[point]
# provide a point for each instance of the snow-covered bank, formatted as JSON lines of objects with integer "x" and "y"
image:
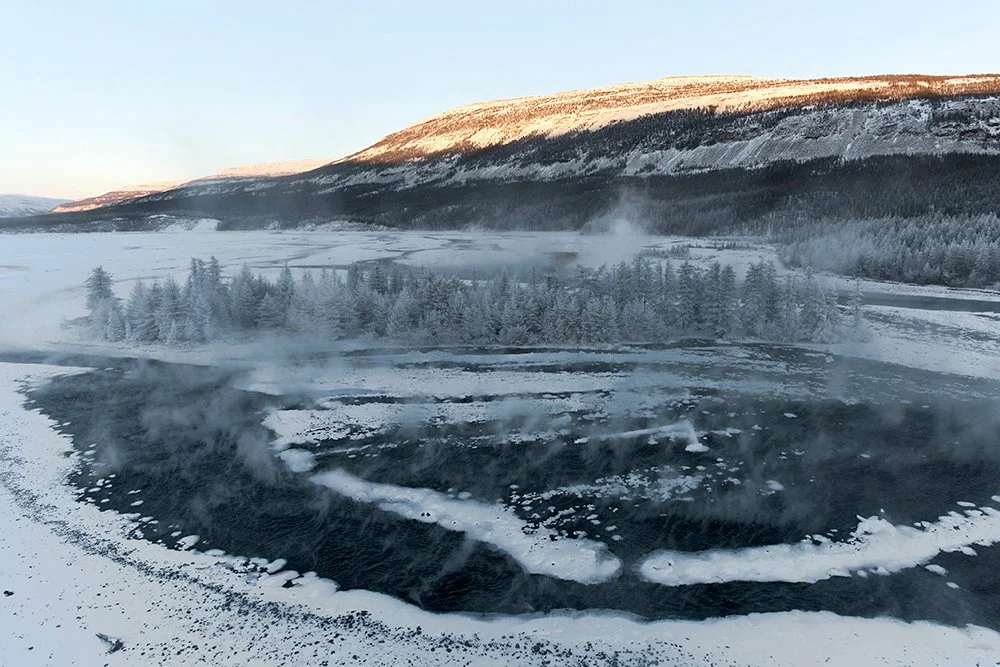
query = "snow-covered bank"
{"x": 538, "y": 551}
{"x": 73, "y": 573}
{"x": 946, "y": 341}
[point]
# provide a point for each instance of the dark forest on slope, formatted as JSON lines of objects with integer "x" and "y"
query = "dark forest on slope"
{"x": 780, "y": 196}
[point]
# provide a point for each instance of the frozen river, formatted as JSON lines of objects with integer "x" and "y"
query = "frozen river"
{"x": 688, "y": 504}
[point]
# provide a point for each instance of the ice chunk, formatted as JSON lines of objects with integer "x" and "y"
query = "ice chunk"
{"x": 188, "y": 542}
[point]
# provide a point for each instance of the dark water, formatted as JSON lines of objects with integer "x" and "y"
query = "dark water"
{"x": 188, "y": 446}
{"x": 923, "y": 301}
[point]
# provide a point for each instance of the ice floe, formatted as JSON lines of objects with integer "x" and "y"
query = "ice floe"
{"x": 539, "y": 551}
{"x": 875, "y": 545}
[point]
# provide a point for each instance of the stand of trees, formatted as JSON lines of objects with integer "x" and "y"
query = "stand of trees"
{"x": 642, "y": 301}
{"x": 942, "y": 250}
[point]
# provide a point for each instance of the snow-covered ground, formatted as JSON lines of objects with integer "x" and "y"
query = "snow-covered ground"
{"x": 953, "y": 342}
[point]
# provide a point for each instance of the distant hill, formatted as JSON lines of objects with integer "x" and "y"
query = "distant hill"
{"x": 116, "y": 196}
{"x": 683, "y": 154}
{"x": 247, "y": 171}
{"x": 16, "y": 206}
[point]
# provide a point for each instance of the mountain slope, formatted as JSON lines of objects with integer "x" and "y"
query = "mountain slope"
{"x": 488, "y": 124}
{"x": 16, "y": 206}
{"x": 693, "y": 153}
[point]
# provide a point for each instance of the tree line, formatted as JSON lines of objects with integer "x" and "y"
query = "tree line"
{"x": 641, "y": 301}
{"x": 959, "y": 251}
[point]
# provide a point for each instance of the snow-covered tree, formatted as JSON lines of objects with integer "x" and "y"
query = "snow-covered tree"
{"x": 99, "y": 289}
{"x": 638, "y": 301}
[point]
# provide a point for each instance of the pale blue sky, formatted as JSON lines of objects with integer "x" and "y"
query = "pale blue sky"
{"x": 100, "y": 94}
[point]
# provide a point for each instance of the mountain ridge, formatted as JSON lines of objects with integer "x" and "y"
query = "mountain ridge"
{"x": 559, "y": 160}
{"x": 592, "y": 108}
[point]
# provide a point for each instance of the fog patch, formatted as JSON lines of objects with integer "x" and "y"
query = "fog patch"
{"x": 624, "y": 233}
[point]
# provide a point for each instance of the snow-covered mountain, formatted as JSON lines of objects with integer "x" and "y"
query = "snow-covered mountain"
{"x": 16, "y": 206}
{"x": 717, "y": 150}
{"x": 247, "y": 171}
{"x": 486, "y": 124}
{"x": 265, "y": 169}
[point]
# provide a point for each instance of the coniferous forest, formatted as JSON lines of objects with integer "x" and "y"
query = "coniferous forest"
{"x": 642, "y": 301}
{"x": 958, "y": 251}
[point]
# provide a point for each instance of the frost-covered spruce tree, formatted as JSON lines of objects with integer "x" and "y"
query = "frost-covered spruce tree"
{"x": 689, "y": 298}
{"x": 245, "y": 295}
{"x": 150, "y": 321}
{"x": 303, "y": 311}
{"x": 753, "y": 302}
{"x": 218, "y": 295}
{"x": 115, "y": 328}
{"x": 270, "y": 313}
{"x": 403, "y": 316}
{"x": 812, "y": 313}
{"x": 727, "y": 322}
{"x": 787, "y": 325}
{"x": 170, "y": 312}
{"x": 98, "y": 286}
{"x": 107, "y": 320}
{"x": 857, "y": 321}
{"x": 135, "y": 311}
{"x": 638, "y": 301}
{"x": 199, "y": 326}
{"x": 284, "y": 289}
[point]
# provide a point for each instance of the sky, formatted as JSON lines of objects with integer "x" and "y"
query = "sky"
{"x": 100, "y": 94}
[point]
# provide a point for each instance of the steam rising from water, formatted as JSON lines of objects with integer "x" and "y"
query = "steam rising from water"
{"x": 494, "y": 501}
